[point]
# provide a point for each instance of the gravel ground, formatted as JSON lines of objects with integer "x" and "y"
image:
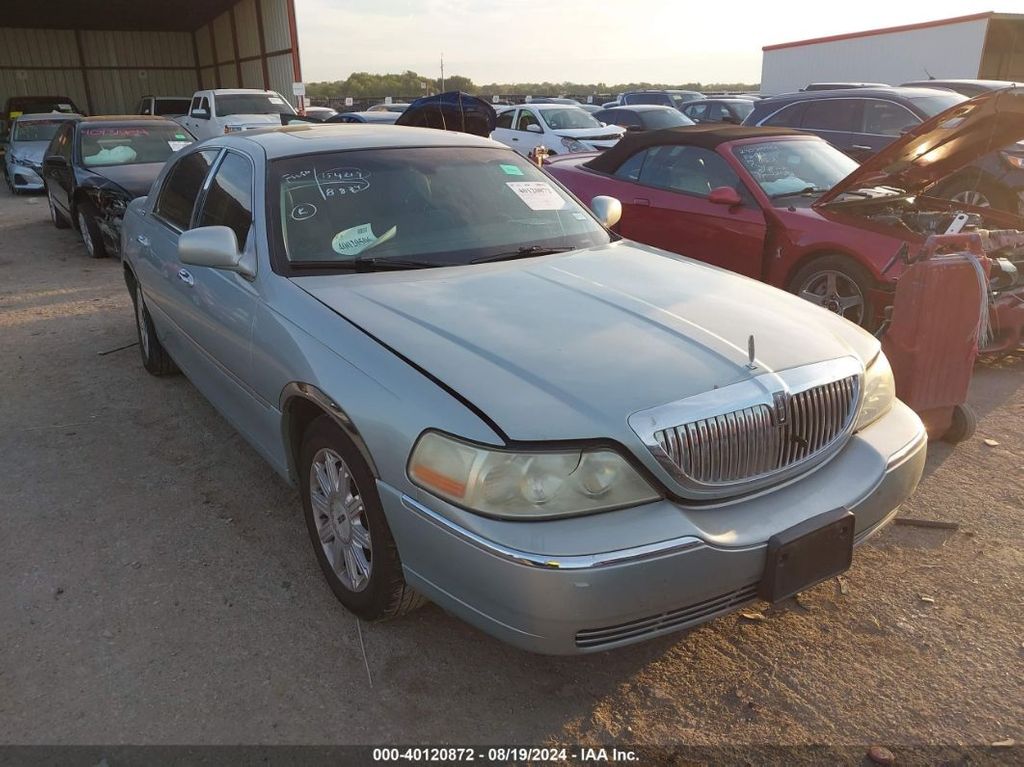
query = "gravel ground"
{"x": 158, "y": 585}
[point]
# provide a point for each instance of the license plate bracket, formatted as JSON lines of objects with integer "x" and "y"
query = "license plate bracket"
{"x": 808, "y": 553}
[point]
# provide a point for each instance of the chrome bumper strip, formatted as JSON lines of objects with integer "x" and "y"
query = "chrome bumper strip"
{"x": 553, "y": 562}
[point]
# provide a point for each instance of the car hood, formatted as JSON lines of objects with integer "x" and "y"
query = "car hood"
{"x": 30, "y": 151}
{"x": 568, "y": 346}
{"x": 942, "y": 145}
{"x": 133, "y": 179}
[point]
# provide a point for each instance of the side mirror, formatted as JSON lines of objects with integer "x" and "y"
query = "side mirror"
{"x": 730, "y": 119}
{"x": 607, "y": 209}
{"x": 56, "y": 161}
{"x": 201, "y": 114}
{"x": 534, "y": 128}
{"x": 725, "y": 195}
{"x": 212, "y": 246}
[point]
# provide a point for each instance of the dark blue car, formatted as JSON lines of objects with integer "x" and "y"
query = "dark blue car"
{"x": 863, "y": 121}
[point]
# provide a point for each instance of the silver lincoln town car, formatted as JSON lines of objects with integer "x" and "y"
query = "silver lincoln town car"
{"x": 489, "y": 400}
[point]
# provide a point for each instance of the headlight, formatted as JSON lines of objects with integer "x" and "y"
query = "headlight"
{"x": 879, "y": 392}
{"x": 525, "y": 485}
{"x": 573, "y": 145}
{"x": 1014, "y": 160}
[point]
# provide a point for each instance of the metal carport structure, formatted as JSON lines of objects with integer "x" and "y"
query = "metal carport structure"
{"x": 107, "y": 54}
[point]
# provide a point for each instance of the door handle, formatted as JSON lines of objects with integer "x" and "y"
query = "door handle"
{"x": 861, "y": 148}
{"x": 641, "y": 201}
{"x": 142, "y": 239}
{"x": 514, "y": 138}
{"x": 186, "y": 276}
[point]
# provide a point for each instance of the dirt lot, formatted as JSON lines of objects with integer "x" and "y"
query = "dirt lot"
{"x": 158, "y": 584}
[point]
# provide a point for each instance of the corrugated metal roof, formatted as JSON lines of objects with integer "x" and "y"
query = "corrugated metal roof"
{"x": 180, "y": 15}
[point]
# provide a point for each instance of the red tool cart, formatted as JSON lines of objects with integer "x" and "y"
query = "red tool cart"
{"x": 940, "y": 317}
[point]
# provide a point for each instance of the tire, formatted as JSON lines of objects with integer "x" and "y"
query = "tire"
{"x": 155, "y": 358}
{"x": 965, "y": 423}
{"x": 839, "y": 284}
{"x": 347, "y": 526}
{"x": 968, "y": 189}
{"x": 58, "y": 219}
{"x": 92, "y": 237}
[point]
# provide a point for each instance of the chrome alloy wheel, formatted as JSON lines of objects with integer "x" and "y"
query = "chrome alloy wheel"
{"x": 340, "y": 518}
{"x": 836, "y": 292}
{"x": 83, "y": 227}
{"x": 972, "y": 197}
{"x": 140, "y": 318}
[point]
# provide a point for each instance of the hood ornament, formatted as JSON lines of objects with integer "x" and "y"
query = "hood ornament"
{"x": 750, "y": 353}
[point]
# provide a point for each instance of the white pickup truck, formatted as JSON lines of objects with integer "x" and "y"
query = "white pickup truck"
{"x": 226, "y": 110}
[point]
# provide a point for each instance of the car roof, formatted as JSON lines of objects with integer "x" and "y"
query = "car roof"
{"x": 994, "y": 84}
{"x": 643, "y": 107}
{"x": 707, "y": 136}
{"x": 47, "y": 117}
{"x": 311, "y": 138}
{"x": 850, "y": 93}
{"x": 128, "y": 119}
{"x": 237, "y": 91}
{"x": 729, "y": 99}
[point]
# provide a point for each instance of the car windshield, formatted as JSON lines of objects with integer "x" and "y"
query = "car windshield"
{"x": 171, "y": 106}
{"x": 940, "y": 102}
{"x": 40, "y": 106}
{"x": 445, "y": 205}
{"x": 102, "y": 145}
{"x": 657, "y": 119}
{"x": 35, "y": 130}
{"x": 569, "y": 118}
{"x": 251, "y": 104}
{"x": 784, "y": 169}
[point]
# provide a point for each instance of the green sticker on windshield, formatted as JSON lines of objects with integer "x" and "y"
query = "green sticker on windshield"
{"x": 512, "y": 170}
{"x": 180, "y": 136}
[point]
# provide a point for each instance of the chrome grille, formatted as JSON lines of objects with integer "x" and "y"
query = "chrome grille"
{"x": 761, "y": 439}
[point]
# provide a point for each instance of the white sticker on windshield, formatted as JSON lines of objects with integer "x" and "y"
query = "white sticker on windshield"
{"x": 538, "y": 195}
{"x": 353, "y": 241}
{"x": 275, "y": 100}
{"x": 176, "y": 145}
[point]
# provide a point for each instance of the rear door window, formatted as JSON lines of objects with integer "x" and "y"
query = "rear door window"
{"x": 887, "y": 118}
{"x": 832, "y": 115}
{"x": 630, "y": 169}
{"x": 687, "y": 169}
{"x": 228, "y": 201}
{"x": 787, "y": 117}
{"x": 505, "y": 119}
{"x": 181, "y": 188}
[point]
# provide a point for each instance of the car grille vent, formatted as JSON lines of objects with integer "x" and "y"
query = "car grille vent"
{"x": 760, "y": 440}
{"x": 667, "y": 621}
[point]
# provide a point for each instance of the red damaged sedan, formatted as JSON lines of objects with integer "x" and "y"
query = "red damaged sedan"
{"x": 787, "y": 208}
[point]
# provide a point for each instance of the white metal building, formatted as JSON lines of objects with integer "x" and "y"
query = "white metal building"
{"x": 106, "y": 54}
{"x": 987, "y": 46}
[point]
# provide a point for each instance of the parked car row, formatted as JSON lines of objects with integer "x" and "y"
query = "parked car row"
{"x": 373, "y": 307}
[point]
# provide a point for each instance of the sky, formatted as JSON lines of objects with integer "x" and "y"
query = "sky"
{"x": 610, "y": 41}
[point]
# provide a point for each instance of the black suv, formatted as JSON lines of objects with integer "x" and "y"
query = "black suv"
{"x": 863, "y": 121}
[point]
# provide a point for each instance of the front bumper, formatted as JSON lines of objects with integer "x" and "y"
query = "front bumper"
{"x": 25, "y": 178}
{"x": 607, "y": 580}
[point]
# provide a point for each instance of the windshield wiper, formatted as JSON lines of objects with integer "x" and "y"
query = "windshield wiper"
{"x": 368, "y": 264}
{"x": 525, "y": 252}
{"x": 805, "y": 190}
